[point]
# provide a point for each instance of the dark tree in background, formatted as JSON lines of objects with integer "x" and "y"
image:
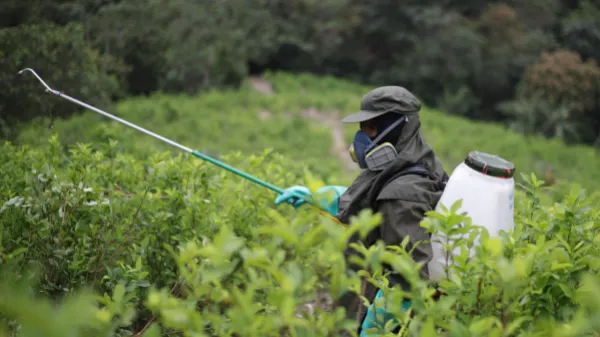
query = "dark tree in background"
{"x": 531, "y": 64}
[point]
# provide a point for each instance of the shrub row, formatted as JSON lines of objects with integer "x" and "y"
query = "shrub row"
{"x": 123, "y": 243}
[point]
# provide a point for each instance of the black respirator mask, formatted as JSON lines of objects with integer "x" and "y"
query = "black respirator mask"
{"x": 368, "y": 153}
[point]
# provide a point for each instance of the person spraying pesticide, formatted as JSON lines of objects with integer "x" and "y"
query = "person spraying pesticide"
{"x": 402, "y": 179}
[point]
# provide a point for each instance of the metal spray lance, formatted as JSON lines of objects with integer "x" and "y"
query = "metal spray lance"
{"x": 177, "y": 145}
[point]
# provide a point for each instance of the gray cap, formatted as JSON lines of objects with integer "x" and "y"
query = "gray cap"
{"x": 382, "y": 100}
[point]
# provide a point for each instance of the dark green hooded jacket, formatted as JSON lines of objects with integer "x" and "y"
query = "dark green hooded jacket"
{"x": 402, "y": 202}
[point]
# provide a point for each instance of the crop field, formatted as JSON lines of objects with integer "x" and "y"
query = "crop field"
{"x": 105, "y": 231}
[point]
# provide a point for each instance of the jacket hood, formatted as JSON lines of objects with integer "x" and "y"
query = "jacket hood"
{"x": 412, "y": 149}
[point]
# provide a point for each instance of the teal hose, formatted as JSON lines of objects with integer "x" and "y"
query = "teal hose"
{"x": 238, "y": 172}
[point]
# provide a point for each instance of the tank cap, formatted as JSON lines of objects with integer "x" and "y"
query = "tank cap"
{"x": 490, "y": 164}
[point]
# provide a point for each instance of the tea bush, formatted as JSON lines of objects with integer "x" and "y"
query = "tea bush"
{"x": 110, "y": 243}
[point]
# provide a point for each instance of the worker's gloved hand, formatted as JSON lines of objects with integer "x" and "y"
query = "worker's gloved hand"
{"x": 293, "y": 195}
{"x": 327, "y": 197}
{"x": 378, "y": 317}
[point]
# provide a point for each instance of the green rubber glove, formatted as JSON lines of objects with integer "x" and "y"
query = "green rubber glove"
{"x": 378, "y": 317}
{"x": 327, "y": 197}
{"x": 293, "y": 195}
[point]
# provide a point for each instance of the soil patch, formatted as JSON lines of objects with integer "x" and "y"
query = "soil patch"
{"x": 261, "y": 85}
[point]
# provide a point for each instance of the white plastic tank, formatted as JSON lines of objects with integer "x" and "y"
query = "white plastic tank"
{"x": 486, "y": 186}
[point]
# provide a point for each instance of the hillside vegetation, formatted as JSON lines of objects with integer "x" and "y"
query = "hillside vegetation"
{"x": 531, "y": 64}
{"x": 300, "y": 119}
{"x": 121, "y": 243}
{"x": 107, "y": 232}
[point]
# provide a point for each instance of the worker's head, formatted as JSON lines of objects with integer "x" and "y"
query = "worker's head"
{"x": 383, "y": 112}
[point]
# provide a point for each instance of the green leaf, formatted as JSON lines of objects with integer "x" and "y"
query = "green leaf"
{"x": 152, "y": 331}
{"x": 428, "y": 328}
{"x": 557, "y": 266}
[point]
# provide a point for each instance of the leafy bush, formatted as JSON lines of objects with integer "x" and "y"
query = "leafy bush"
{"x": 172, "y": 246}
{"x": 557, "y": 97}
{"x": 563, "y": 77}
{"x": 91, "y": 218}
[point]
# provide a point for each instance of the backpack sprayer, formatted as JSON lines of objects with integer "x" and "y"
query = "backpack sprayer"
{"x": 179, "y": 146}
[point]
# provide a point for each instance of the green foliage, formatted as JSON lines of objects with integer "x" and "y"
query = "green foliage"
{"x": 217, "y": 122}
{"x": 465, "y": 57}
{"x": 222, "y": 121}
{"x": 61, "y": 56}
{"x": 116, "y": 244}
{"x": 556, "y": 98}
{"x": 513, "y": 39}
{"x": 111, "y": 200}
{"x": 107, "y": 234}
{"x": 187, "y": 46}
{"x": 581, "y": 79}
{"x": 581, "y": 30}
